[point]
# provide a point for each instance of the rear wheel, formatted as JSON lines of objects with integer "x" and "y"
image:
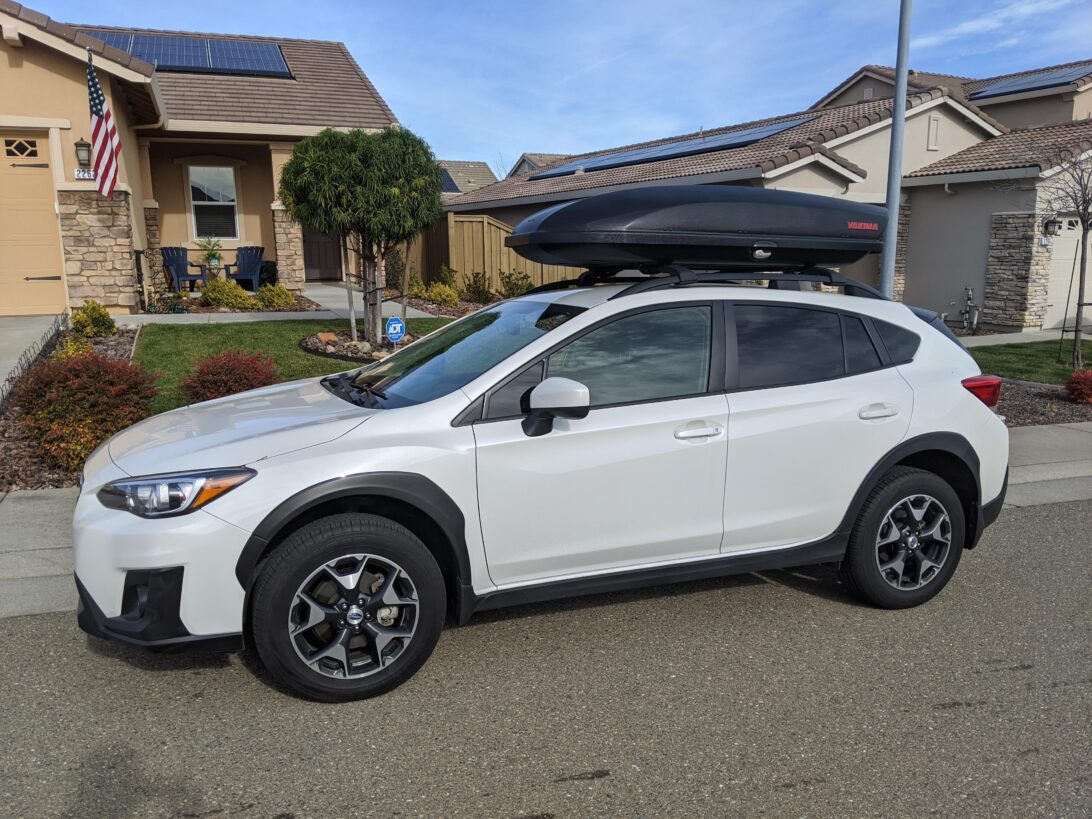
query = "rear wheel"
{"x": 907, "y": 540}
{"x": 349, "y": 606}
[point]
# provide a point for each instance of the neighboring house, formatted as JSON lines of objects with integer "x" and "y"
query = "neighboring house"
{"x": 969, "y": 214}
{"x": 462, "y": 176}
{"x": 204, "y": 132}
{"x": 529, "y": 162}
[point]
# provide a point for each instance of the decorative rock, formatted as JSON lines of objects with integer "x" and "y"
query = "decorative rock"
{"x": 362, "y": 346}
{"x": 329, "y": 338}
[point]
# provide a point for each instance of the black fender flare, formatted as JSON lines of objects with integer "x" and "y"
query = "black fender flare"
{"x": 950, "y": 443}
{"x": 407, "y": 487}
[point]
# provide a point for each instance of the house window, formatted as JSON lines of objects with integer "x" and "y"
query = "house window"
{"x": 934, "y": 134}
{"x": 212, "y": 196}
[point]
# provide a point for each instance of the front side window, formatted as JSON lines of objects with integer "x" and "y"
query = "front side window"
{"x": 212, "y": 195}
{"x": 787, "y": 345}
{"x": 455, "y": 355}
{"x": 646, "y": 356}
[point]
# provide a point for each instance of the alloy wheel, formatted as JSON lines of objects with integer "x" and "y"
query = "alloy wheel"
{"x": 913, "y": 542}
{"x": 353, "y": 616}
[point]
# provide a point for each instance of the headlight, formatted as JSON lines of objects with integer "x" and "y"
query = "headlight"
{"x": 159, "y": 496}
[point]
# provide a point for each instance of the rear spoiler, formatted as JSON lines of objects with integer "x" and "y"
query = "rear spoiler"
{"x": 932, "y": 318}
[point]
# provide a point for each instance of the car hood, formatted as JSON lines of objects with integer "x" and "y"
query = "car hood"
{"x": 236, "y": 430}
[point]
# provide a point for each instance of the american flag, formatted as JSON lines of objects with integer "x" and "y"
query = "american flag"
{"x": 105, "y": 145}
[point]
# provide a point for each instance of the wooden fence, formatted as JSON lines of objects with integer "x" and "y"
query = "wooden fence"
{"x": 470, "y": 243}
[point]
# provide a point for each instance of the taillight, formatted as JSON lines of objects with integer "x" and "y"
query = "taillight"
{"x": 986, "y": 388}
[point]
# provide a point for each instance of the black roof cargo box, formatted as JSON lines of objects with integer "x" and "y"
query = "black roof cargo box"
{"x": 702, "y": 227}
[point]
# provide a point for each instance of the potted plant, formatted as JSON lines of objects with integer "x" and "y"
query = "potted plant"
{"x": 212, "y": 254}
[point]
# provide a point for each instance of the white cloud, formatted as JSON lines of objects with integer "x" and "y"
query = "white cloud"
{"x": 1011, "y": 13}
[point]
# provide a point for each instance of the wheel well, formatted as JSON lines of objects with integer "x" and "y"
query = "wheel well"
{"x": 406, "y": 514}
{"x": 957, "y": 475}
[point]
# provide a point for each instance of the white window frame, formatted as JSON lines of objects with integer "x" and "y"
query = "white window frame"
{"x": 932, "y": 133}
{"x": 213, "y": 162}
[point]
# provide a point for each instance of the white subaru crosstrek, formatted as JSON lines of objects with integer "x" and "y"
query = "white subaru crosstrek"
{"x": 578, "y": 439}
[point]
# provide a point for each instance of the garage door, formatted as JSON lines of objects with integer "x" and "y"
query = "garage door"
{"x": 1064, "y": 261}
{"x": 30, "y": 245}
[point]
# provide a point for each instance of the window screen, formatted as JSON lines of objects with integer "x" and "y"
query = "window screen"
{"x": 212, "y": 192}
{"x": 861, "y": 355}
{"x": 643, "y": 357}
{"x": 787, "y": 345}
{"x": 901, "y": 343}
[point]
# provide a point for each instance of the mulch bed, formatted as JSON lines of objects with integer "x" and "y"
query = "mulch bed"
{"x": 1024, "y": 404}
{"x": 346, "y": 349}
{"x": 21, "y": 467}
{"x": 168, "y": 304}
{"x": 464, "y": 308}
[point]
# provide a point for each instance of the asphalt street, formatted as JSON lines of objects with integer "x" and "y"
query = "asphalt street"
{"x": 768, "y": 694}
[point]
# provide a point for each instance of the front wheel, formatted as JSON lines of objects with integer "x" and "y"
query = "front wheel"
{"x": 907, "y": 540}
{"x": 349, "y": 606}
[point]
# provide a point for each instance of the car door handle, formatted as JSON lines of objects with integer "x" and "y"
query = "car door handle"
{"x": 700, "y": 432}
{"x": 874, "y": 411}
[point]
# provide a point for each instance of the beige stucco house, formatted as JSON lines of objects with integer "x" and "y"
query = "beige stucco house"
{"x": 204, "y": 133}
{"x": 964, "y": 222}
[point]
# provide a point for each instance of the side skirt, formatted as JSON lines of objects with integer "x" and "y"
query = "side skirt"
{"x": 828, "y": 550}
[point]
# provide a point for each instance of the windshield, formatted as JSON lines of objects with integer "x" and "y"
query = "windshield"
{"x": 455, "y": 355}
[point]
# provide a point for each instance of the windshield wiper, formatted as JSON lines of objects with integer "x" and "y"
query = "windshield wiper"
{"x": 343, "y": 387}
{"x": 368, "y": 388}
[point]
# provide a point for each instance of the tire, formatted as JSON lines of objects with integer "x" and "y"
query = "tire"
{"x": 894, "y": 559}
{"x": 349, "y": 606}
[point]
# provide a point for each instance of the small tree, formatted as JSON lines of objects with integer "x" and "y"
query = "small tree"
{"x": 1066, "y": 190}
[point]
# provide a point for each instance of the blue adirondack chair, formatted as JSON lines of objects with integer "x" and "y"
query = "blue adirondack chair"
{"x": 248, "y": 266}
{"x": 176, "y": 261}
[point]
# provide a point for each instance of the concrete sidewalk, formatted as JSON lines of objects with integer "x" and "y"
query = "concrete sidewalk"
{"x": 1016, "y": 338}
{"x": 1048, "y": 464}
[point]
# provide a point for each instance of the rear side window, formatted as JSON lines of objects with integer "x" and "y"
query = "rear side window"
{"x": 861, "y": 355}
{"x": 787, "y": 345}
{"x": 901, "y": 344}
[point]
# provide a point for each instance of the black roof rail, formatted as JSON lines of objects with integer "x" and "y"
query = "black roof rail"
{"x": 677, "y": 276}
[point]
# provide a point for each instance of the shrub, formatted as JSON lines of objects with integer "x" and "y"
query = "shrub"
{"x": 275, "y": 297}
{"x": 514, "y": 284}
{"x": 396, "y": 269}
{"x": 92, "y": 320}
{"x": 226, "y": 373}
{"x": 71, "y": 405}
{"x": 416, "y": 288}
{"x": 443, "y": 295}
{"x": 227, "y": 293}
{"x": 447, "y": 276}
{"x": 1079, "y": 387}
{"x": 72, "y": 346}
{"x": 476, "y": 288}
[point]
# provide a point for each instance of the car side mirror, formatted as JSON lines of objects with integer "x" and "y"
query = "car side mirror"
{"x": 555, "y": 398}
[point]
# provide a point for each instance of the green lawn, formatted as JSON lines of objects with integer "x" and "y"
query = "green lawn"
{"x": 173, "y": 349}
{"x": 1034, "y": 361}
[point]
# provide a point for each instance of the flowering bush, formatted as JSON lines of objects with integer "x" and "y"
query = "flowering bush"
{"x": 70, "y": 405}
{"x": 227, "y": 373}
{"x": 1079, "y": 387}
{"x": 92, "y": 320}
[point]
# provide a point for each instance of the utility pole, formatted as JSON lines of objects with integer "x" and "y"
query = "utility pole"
{"x": 894, "y": 162}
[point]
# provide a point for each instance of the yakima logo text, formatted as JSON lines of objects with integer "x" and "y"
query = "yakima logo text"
{"x": 862, "y": 226}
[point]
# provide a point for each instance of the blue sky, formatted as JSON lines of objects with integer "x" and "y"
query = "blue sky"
{"x": 488, "y": 80}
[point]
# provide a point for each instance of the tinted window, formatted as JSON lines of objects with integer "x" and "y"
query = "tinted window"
{"x": 507, "y": 400}
{"x": 901, "y": 344}
{"x": 643, "y": 357}
{"x": 861, "y": 355}
{"x": 787, "y": 345}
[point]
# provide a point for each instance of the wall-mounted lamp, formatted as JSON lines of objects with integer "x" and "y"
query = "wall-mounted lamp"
{"x": 1052, "y": 227}
{"x": 83, "y": 153}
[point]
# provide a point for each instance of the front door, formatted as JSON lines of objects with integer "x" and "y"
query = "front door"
{"x": 321, "y": 256}
{"x": 31, "y": 272}
{"x": 639, "y": 480}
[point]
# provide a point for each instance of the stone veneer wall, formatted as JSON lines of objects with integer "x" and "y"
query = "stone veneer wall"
{"x": 1017, "y": 272}
{"x": 901, "y": 245}
{"x": 288, "y": 236}
{"x": 97, "y": 234}
{"x": 154, "y": 281}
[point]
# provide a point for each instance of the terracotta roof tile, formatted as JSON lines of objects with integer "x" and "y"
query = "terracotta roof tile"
{"x": 468, "y": 175}
{"x": 1030, "y": 148}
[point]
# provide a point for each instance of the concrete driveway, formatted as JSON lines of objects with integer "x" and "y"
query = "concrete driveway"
{"x": 16, "y": 334}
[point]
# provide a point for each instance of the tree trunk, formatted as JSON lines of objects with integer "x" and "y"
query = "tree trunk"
{"x": 405, "y": 278}
{"x": 364, "y": 264}
{"x": 348, "y": 287}
{"x": 1078, "y": 356}
{"x": 380, "y": 286}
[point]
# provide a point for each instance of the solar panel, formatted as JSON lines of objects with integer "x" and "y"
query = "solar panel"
{"x": 247, "y": 57}
{"x": 673, "y": 150}
{"x": 1033, "y": 82}
{"x": 447, "y": 183}
{"x": 172, "y": 53}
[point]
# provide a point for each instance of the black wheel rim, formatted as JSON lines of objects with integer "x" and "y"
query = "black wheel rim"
{"x": 353, "y": 616}
{"x": 913, "y": 543}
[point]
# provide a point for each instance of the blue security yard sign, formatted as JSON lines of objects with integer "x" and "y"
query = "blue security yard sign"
{"x": 396, "y": 328}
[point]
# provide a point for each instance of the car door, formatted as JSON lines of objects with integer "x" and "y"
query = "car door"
{"x": 639, "y": 480}
{"x": 811, "y": 414}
